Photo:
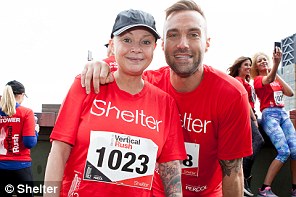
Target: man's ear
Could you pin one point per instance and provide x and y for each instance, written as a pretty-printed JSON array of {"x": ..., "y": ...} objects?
[
  {"x": 208, "y": 44},
  {"x": 162, "y": 44}
]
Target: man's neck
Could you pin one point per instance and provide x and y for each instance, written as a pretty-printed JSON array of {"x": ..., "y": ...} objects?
[{"x": 187, "y": 84}]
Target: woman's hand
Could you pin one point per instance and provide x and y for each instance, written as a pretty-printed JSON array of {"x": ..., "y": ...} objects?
[{"x": 277, "y": 56}]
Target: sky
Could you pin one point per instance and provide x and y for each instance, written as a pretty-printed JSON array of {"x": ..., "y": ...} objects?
[{"x": 44, "y": 44}]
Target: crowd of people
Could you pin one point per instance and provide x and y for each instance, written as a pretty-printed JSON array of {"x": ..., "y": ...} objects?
[
  {"x": 186, "y": 129},
  {"x": 240, "y": 70}
]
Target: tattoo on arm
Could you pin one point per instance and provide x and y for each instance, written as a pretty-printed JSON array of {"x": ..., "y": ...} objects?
[
  {"x": 170, "y": 173},
  {"x": 229, "y": 166}
]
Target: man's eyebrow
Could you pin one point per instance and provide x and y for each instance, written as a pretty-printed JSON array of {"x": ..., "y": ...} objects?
[
  {"x": 191, "y": 29},
  {"x": 173, "y": 29},
  {"x": 195, "y": 29}
]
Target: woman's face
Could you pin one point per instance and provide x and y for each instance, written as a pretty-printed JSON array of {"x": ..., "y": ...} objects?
[
  {"x": 262, "y": 63},
  {"x": 133, "y": 50},
  {"x": 245, "y": 68}
]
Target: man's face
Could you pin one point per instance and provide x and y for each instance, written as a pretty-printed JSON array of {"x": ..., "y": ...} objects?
[{"x": 185, "y": 42}]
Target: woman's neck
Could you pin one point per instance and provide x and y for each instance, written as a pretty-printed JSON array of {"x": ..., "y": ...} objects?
[
  {"x": 127, "y": 83},
  {"x": 263, "y": 73},
  {"x": 242, "y": 76},
  {"x": 18, "y": 98}
]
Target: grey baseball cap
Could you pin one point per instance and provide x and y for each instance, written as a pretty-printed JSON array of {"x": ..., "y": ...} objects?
[{"x": 134, "y": 18}]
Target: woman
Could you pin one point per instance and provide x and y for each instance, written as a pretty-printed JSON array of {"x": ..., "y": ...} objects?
[
  {"x": 241, "y": 71},
  {"x": 108, "y": 144},
  {"x": 17, "y": 137},
  {"x": 270, "y": 88}
]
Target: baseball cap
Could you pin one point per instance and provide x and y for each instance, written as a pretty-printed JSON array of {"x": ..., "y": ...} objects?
[
  {"x": 17, "y": 87},
  {"x": 134, "y": 18}
]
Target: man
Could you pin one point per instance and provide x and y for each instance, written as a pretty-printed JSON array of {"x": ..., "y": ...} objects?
[{"x": 213, "y": 106}]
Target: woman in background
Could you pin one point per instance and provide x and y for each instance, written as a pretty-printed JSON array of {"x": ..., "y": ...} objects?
[
  {"x": 241, "y": 71},
  {"x": 270, "y": 89},
  {"x": 17, "y": 137}
]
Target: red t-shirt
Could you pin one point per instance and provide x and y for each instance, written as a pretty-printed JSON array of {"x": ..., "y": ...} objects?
[
  {"x": 216, "y": 121},
  {"x": 114, "y": 134},
  {"x": 12, "y": 131},
  {"x": 112, "y": 63},
  {"x": 250, "y": 90},
  {"x": 269, "y": 95}
]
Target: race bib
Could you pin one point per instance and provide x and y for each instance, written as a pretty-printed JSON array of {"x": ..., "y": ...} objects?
[
  {"x": 190, "y": 164},
  {"x": 278, "y": 98},
  {"x": 120, "y": 159}
]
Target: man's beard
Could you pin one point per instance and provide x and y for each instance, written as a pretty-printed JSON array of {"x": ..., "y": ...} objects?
[{"x": 189, "y": 68}]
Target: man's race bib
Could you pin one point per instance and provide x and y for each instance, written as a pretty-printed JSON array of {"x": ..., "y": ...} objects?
[
  {"x": 120, "y": 159},
  {"x": 190, "y": 164},
  {"x": 278, "y": 98}
]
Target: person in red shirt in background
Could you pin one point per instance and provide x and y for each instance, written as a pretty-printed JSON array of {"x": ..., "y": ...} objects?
[
  {"x": 109, "y": 49},
  {"x": 270, "y": 89},
  {"x": 110, "y": 57},
  {"x": 240, "y": 70},
  {"x": 108, "y": 144},
  {"x": 17, "y": 137},
  {"x": 213, "y": 106}
]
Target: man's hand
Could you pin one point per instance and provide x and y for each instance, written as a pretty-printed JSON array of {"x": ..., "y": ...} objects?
[{"x": 98, "y": 72}]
